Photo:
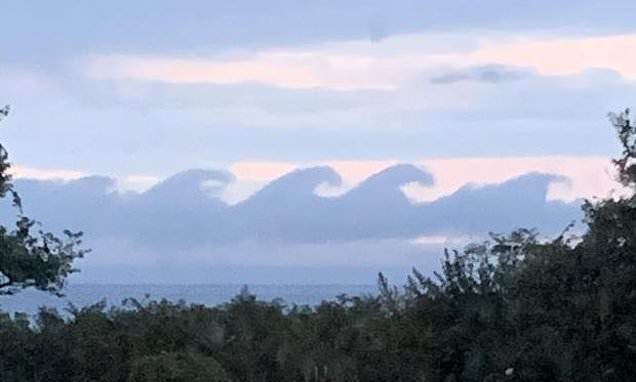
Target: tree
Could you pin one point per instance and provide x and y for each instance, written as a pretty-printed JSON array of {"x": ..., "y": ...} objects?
[
  {"x": 177, "y": 367},
  {"x": 30, "y": 257},
  {"x": 627, "y": 137}
]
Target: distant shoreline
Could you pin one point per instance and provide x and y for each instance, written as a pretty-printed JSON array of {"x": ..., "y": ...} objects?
[{"x": 84, "y": 294}]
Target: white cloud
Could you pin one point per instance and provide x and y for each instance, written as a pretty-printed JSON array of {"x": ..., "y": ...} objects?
[
  {"x": 564, "y": 56},
  {"x": 288, "y": 70},
  {"x": 45, "y": 174},
  {"x": 136, "y": 183},
  {"x": 260, "y": 170},
  {"x": 445, "y": 241},
  {"x": 393, "y": 63}
]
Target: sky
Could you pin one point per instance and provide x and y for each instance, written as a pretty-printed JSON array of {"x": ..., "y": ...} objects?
[{"x": 367, "y": 133}]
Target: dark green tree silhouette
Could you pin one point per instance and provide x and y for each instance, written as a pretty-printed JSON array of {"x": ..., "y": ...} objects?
[{"x": 177, "y": 367}]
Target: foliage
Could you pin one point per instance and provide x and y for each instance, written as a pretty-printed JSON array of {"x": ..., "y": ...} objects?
[{"x": 177, "y": 367}]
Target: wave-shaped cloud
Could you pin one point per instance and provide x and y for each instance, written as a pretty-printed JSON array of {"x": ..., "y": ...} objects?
[{"x": 186, "y": 210}]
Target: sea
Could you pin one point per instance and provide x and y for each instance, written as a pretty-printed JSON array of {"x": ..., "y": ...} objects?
[{"x": 81, "y": 295}]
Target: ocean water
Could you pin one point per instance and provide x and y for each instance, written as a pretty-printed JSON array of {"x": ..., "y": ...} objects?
[{"x": 29, "y": 301}]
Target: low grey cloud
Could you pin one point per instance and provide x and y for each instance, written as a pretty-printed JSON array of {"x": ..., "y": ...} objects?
[
  {"x": 180, "y": 220},
  {"x": 488, "y": 74}
]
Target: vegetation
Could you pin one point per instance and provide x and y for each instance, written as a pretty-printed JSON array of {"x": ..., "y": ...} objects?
[{"x": 511, "y": 309}]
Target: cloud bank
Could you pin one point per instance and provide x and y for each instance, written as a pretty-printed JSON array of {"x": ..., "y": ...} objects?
[
  {"x": 184, "y": 220},
  {"x": 388, "y": 65}
]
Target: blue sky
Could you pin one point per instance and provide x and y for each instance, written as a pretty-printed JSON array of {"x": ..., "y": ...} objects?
[{"x": 480, "y": 94}]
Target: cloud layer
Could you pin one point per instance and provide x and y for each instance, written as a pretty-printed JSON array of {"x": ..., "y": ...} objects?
[
  {"x": 390, "y": 64},
  {"x": 183, "y": 219}
]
